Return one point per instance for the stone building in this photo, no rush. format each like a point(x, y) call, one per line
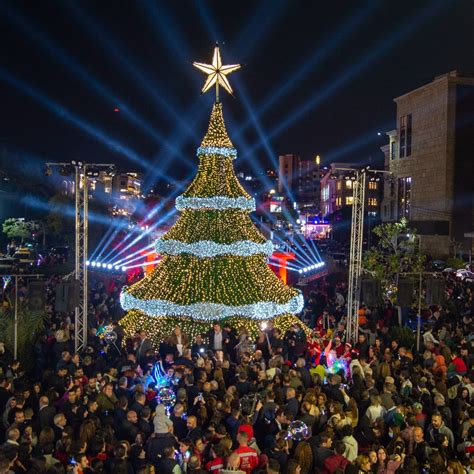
point(431, 159)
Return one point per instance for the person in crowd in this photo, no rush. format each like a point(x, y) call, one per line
point(382, 408)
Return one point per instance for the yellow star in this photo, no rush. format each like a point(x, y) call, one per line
point(216, 73)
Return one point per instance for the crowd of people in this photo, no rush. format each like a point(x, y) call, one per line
point(284, 403)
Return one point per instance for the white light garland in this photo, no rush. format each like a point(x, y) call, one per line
point(211, 311)
point(215, 202)
point(208, 248)
point(217, 150)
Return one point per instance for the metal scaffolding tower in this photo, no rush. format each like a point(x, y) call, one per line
point(82, 205)
point(82, 173)
point(355, 256)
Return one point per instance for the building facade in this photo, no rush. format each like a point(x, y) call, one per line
point(337, 190)
point(300, 180)
point(431, 159)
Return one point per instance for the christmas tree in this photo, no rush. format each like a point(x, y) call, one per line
point(214, 265)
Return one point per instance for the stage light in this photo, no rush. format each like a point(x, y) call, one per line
point(116, 267)
point(110, 266)
point(124, 268)
point(88, 262)
point(104, 265)
point(93, 264)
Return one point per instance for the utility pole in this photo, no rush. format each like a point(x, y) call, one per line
point(420, 276)
point(15, 309)
point(82, 173)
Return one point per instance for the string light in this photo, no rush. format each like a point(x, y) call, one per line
point(215, 202)
point(229, 280)
point(214, 265)
point(217, 150)
point(224, 227)
point(159, 328)
point(208, 248)
point(207, 311)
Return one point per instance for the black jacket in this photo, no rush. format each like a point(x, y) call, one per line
point(46, 417)
point(156, 445)
point(180, 428)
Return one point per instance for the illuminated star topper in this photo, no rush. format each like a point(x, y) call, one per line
point(217, 73)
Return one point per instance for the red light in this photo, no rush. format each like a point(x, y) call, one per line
point(116, 110)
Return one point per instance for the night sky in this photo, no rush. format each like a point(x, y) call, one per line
point(336, 67)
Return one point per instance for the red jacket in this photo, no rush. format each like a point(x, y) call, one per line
point(215, 466)
point(334, 462)
point(460, 365)
point(248, 458)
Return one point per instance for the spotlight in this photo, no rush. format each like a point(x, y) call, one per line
point(116, 267)
point(93, 264)
point(88, 263)
point(104, 265)
point(110, 266)
point(124, 268)
point(201, 350)
point(300, 271)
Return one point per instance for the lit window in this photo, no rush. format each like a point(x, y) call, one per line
point(348, 184)
point(338, 186)
point(338, 201)
point(405, 135)
point(372, 185)
point(372, 201)
point(349, 200)
point(325, 193)
point(404, 197)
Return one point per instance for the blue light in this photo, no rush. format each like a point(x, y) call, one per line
point(217, 150)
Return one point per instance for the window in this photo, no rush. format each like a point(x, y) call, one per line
point(405, 135)
point(349, 200)
point(372, 202)
point(372, 185)
point(348, 184)
point(393, 150)
point(338, 186)
point(338, 201)
point(404, 197)
point(325, 193)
